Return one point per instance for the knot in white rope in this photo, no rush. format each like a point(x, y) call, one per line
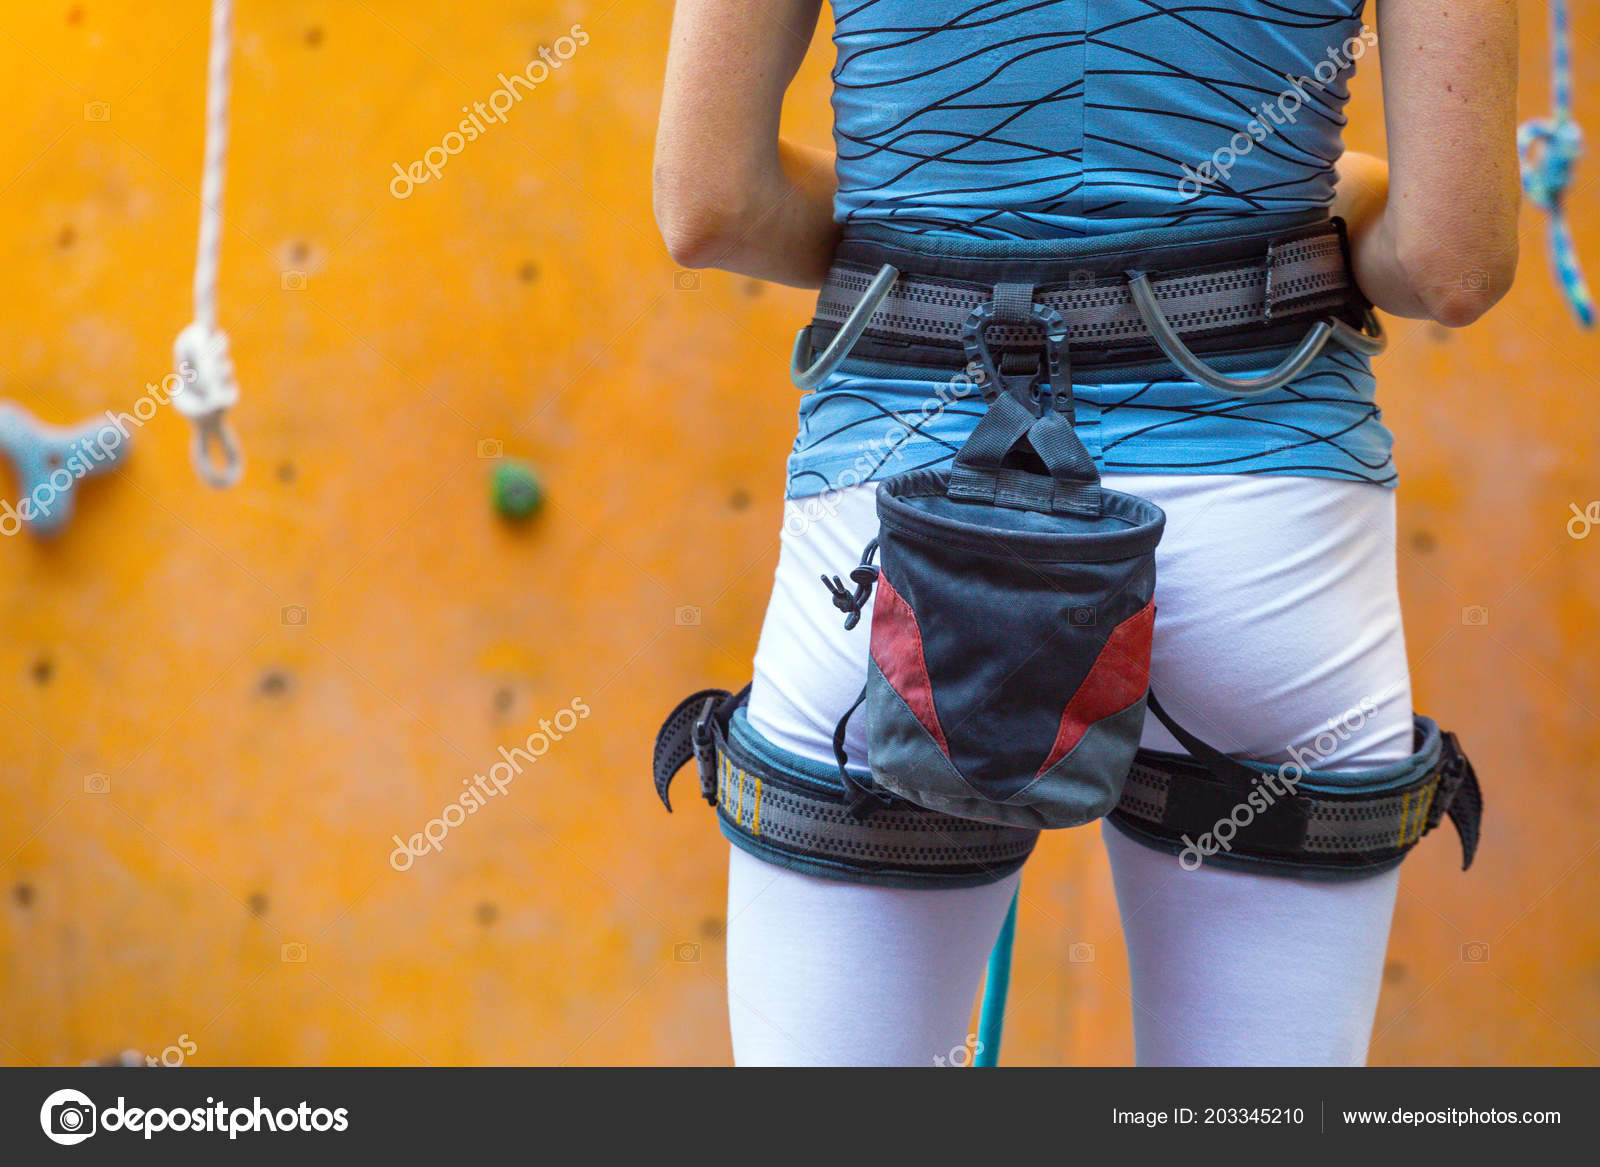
point(209, 390)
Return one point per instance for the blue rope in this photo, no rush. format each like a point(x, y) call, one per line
point(996, 985)
point(1548, 148)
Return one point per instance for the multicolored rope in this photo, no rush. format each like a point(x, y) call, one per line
point(1548, 148)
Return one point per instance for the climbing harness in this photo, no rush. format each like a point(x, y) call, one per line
point(1548, 148)
point(1123, 302)
point(1036, 724)
point(1012, 595)
point(1012, 611)
point(202, 345)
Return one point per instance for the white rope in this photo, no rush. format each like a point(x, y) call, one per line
point(202, 345)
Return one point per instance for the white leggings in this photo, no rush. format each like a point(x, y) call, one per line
point(1279, 617)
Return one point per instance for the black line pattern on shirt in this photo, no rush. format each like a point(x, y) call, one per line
point(1022, 118)
point(1005, 119)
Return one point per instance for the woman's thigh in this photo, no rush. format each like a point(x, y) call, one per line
point(822, 972)
point(808, 667)
point(1278, 627)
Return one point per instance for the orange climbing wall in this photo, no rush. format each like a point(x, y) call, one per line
point(198, 787)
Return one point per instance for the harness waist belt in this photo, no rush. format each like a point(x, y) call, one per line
point(1234, 291)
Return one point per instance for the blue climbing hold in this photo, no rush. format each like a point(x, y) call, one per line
point(49, 462)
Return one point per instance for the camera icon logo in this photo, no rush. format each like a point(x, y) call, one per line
point(1476, 952)
point(686, 616)
point(686, 953)
point(1475, 616)
point(686, 281)
point(294, 616)
point(1079, 278)
point(1475, 280)
point(68, 1117)
point(293, 953)
point(1084, 616)
point(97, 111)
point(96, 784)
point(293, 281)
point(490, 448)
point(1081, 954)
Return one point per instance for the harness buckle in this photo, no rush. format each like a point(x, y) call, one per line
point(1452, 767)
point(705, 748)
point(1458, 796)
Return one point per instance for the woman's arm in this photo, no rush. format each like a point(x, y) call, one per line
point(729, 193)
point(1443, 246)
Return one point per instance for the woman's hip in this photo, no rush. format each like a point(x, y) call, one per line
point(1278, 619)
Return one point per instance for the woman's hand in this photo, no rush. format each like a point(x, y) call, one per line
point(1362, 191)
point(1360, 198)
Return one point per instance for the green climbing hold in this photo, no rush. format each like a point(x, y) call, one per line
point(518, 493)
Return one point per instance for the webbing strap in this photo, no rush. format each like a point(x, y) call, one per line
point(689, 732)
point(1068, 461)
point(1299, 277)
point(1259, 812)
point(979, 474)
point(1032, 405)
point(765, 804)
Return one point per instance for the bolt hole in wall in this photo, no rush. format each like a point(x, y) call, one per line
point(463, 506)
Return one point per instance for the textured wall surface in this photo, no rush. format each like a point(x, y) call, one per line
point(217, 708)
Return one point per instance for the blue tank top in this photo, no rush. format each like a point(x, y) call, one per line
point(1026, 119)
